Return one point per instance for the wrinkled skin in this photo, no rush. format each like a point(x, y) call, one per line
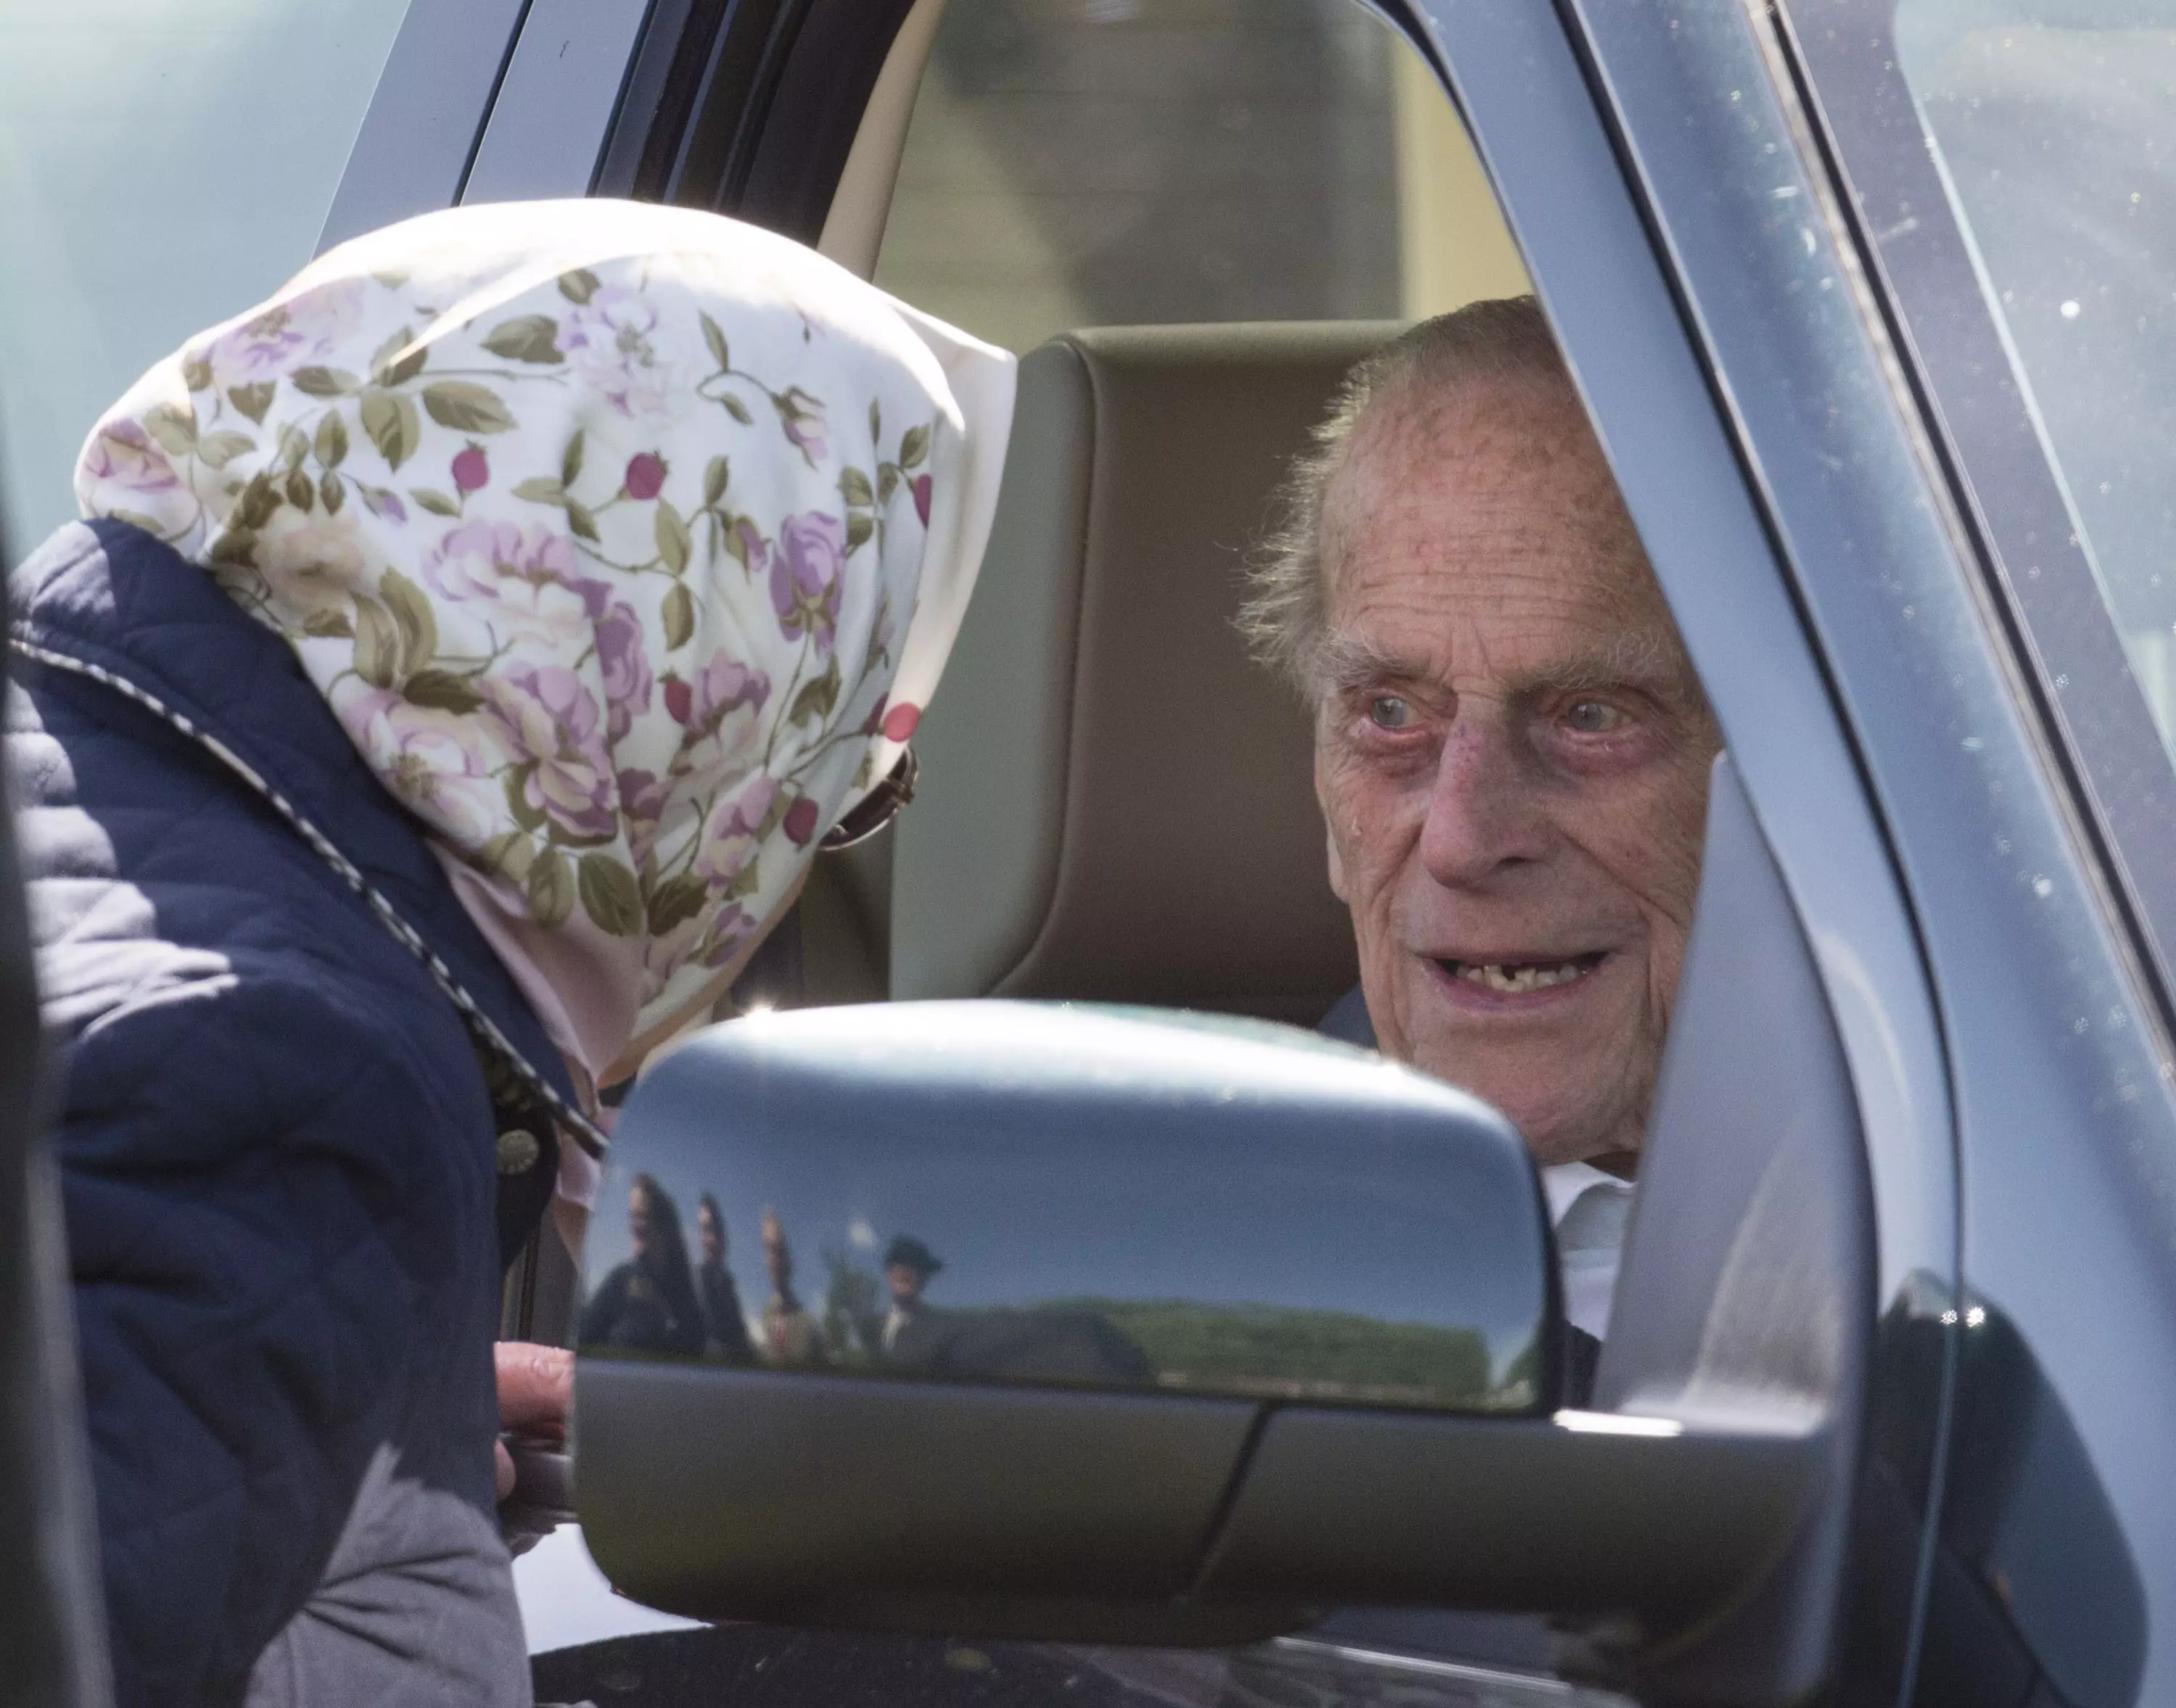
point(1512, 756)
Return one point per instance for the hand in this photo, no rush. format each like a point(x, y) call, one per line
point(535, 1391)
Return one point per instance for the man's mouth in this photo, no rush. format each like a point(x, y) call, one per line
point(1518, 977)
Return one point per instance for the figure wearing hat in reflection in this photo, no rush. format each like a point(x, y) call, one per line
point(791, 1334)
point(911, 1332)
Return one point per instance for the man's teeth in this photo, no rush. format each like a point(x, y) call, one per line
point(1513, 980)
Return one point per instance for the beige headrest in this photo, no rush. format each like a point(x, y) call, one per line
point(1116, 805)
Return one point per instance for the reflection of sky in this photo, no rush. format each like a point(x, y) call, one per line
point(1243, 1200)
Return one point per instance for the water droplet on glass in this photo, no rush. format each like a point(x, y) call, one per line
point(2043, 887)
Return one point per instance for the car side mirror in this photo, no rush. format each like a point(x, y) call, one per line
point(1232, 1326)
point(971, 1316)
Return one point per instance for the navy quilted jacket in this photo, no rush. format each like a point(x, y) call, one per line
point(276, 1141)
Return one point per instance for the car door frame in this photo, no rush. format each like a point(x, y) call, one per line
point(1522, 88)
point(2027, 1005)
point(1613, 296)
point(746, 107)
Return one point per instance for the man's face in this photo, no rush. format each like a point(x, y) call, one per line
point(905, 1282)
point(1512, 755)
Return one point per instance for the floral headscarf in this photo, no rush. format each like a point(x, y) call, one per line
point(626, 542)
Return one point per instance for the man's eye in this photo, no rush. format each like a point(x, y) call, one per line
point(1389, 712)
point(1594, 717)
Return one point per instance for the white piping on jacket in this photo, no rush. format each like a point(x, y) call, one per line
point(585, 1132)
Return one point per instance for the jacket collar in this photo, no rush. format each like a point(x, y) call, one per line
point(127, 607)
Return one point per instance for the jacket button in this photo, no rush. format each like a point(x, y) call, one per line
point(518, 1150)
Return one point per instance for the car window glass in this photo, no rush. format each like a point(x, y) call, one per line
point(2055, 129)
point(162, 163)
point(1116, 162)
point(2012, 163)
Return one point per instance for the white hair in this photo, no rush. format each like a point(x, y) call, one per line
point(1286, 617)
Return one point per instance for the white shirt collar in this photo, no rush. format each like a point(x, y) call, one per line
point(1566, 1183)
point(1588, 1208)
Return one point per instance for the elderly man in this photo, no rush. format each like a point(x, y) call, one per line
point(1511, 748)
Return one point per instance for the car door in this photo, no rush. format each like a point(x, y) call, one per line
point(1807, 787)
point(1830, 296)
point(1787, 730)
point(1958, 841)
point(1678, 182)
point(52, 1624)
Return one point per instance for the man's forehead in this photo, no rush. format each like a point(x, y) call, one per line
point(1510, 657)
point(1436, 604)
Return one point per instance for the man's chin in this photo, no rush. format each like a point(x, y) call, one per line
point(1568, 1098)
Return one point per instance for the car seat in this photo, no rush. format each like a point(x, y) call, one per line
point(1117, 804)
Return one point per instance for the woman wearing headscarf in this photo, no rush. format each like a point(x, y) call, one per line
point(648, 1304)
point(463, 655)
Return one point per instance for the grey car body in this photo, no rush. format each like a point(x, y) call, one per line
point(1965, 835)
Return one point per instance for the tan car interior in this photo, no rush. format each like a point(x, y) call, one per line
point(1121, 804)
point(1116, 804)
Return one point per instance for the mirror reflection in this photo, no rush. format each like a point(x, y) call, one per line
point(1200, 1233)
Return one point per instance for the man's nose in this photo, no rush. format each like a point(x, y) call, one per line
point(1484, 812)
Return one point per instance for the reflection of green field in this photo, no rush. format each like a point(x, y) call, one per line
point(1302, 1354)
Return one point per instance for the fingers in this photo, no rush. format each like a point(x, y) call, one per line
point(536, 1386)
point(502, 1469)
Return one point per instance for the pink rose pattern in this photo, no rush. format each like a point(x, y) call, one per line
point(606, 606)
point(626, 666)
point(121, 455)
point(805, 573)
point(285, 338)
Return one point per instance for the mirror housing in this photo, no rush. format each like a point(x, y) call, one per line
point(1076, 1260)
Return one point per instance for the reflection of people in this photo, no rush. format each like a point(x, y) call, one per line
point(790, 1334)
point(910, 1327)
point(728, 1336)
point(1511, 748)
point(419, 694)
point(648, 1304)
point(1037, 1344)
